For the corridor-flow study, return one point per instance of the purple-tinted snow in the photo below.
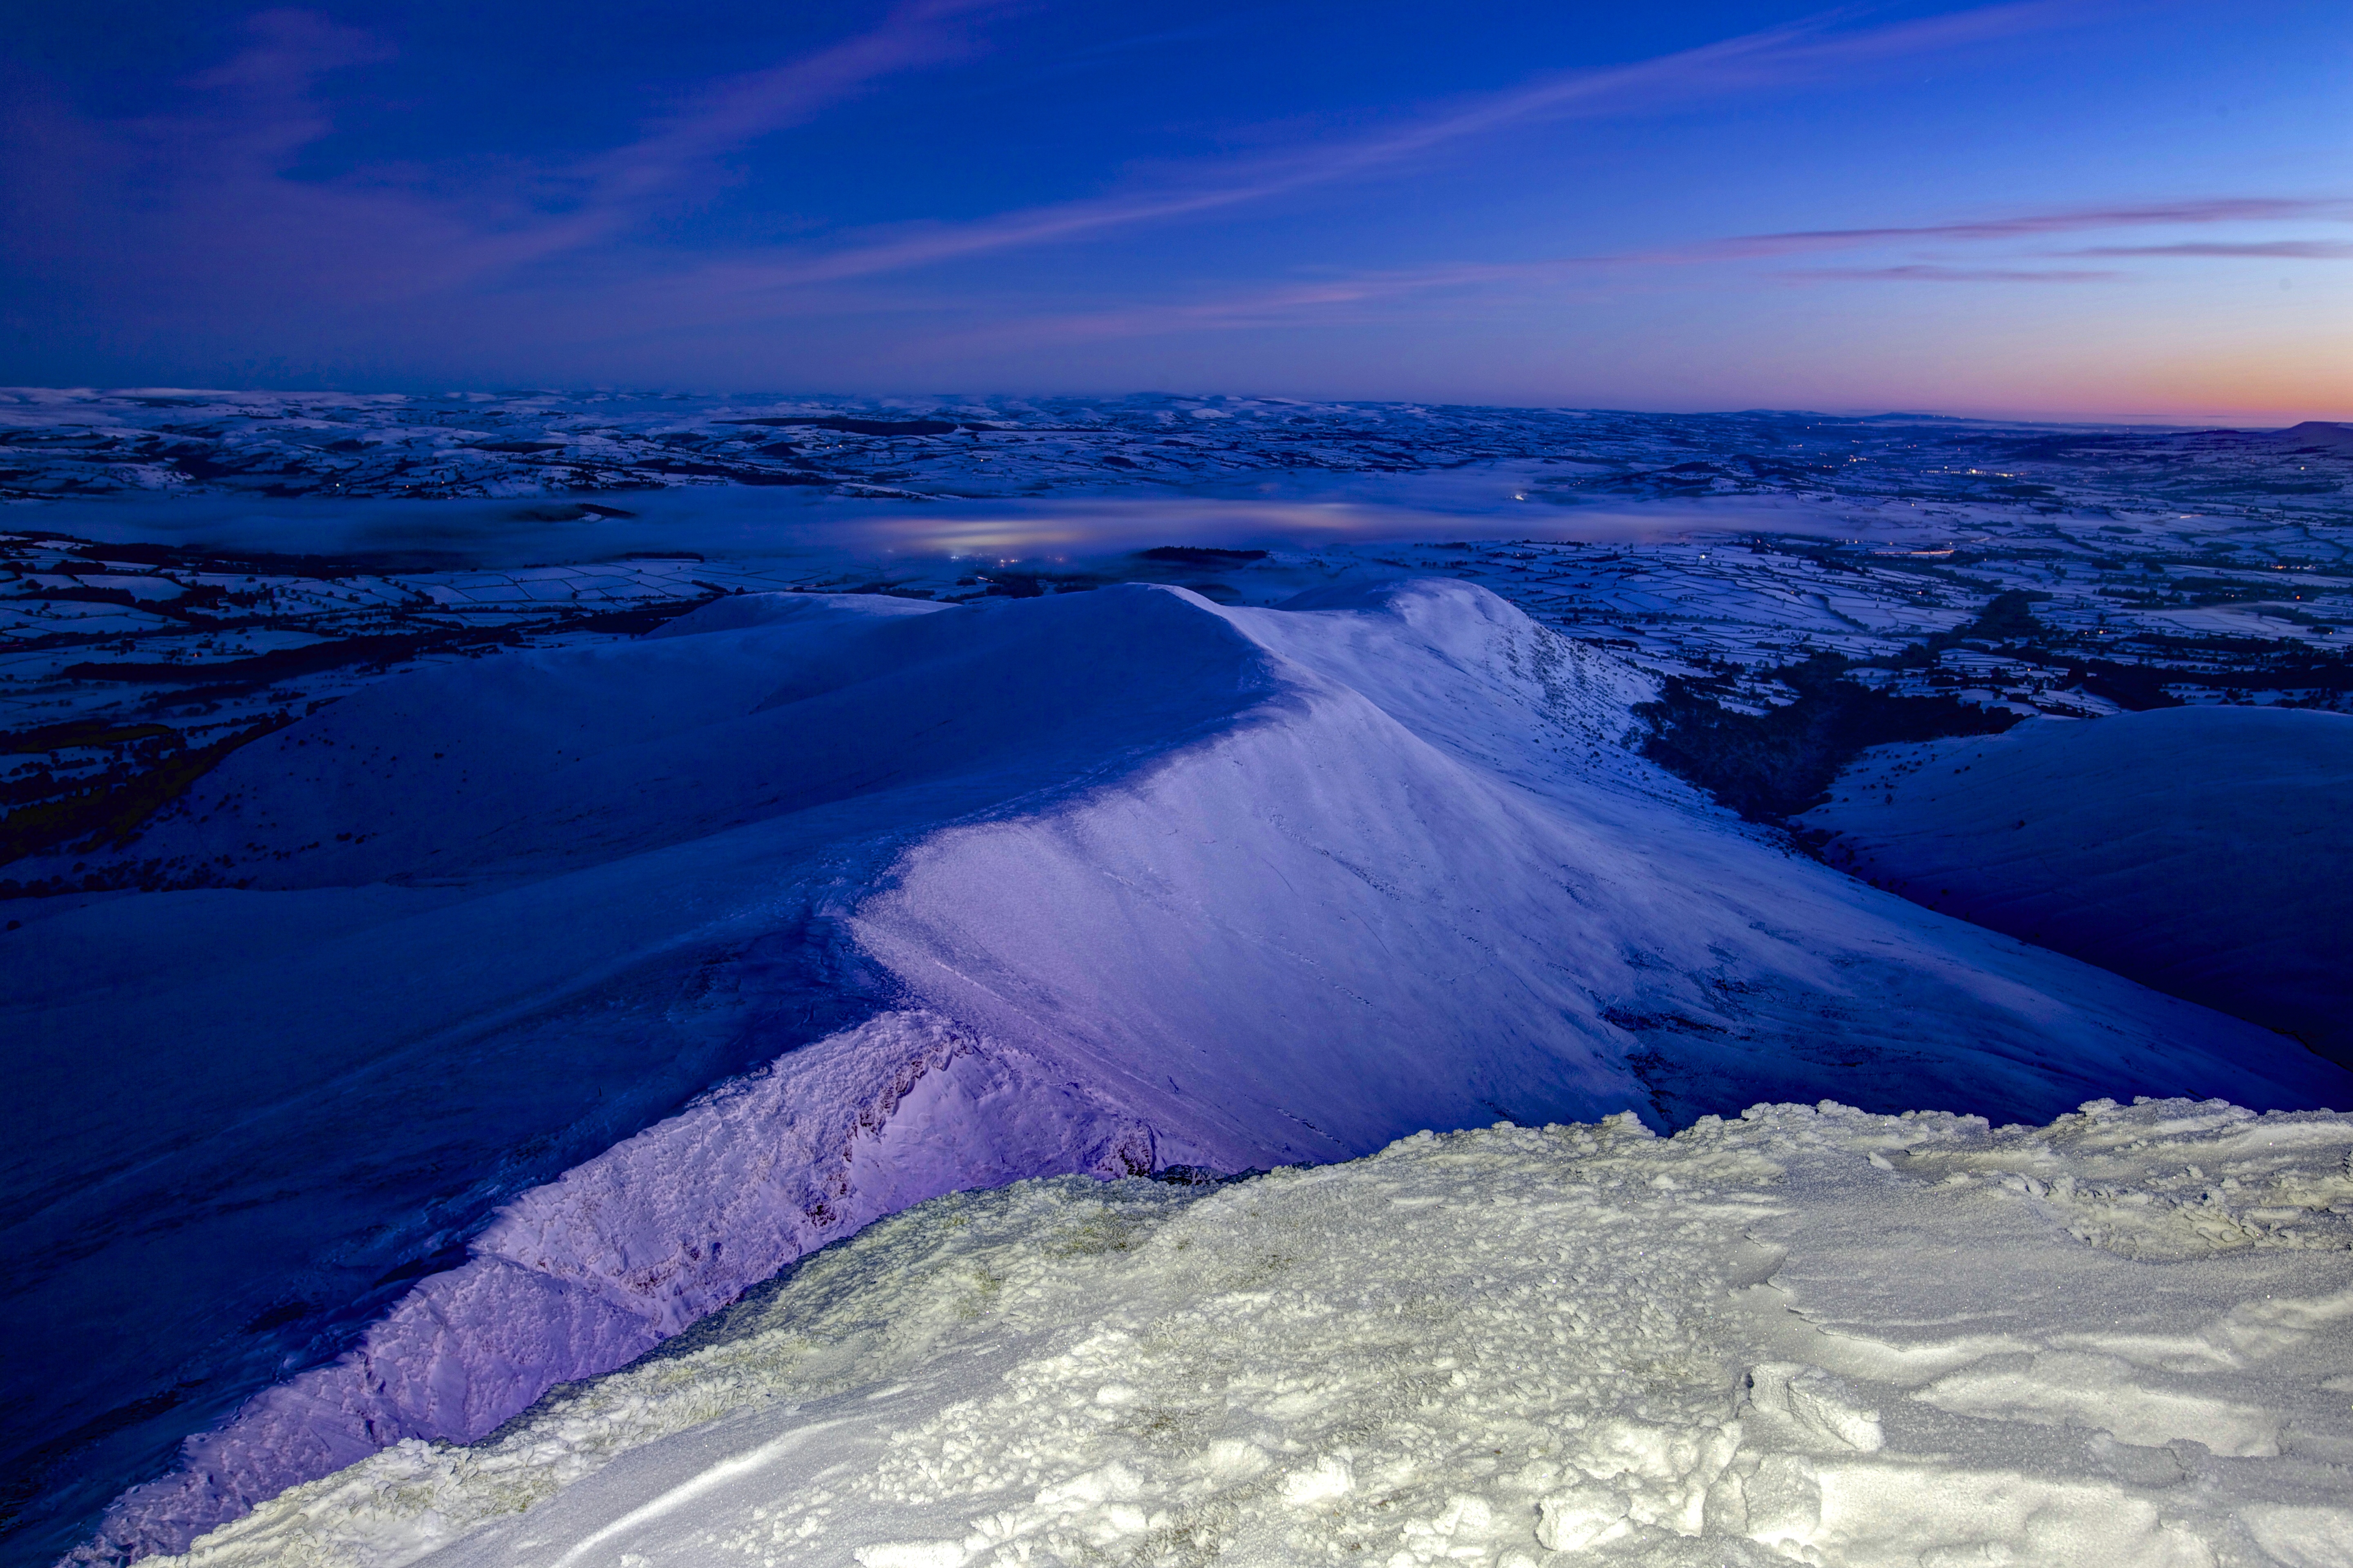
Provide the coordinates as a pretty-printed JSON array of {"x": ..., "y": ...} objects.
[{"x": 1137, "y": 882}]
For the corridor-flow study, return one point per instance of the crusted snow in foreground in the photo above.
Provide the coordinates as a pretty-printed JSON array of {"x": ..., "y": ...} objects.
[{"x": 1846, "y": 1339}]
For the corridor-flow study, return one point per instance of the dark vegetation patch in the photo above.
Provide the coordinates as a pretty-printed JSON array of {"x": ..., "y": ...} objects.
[
  {"x": 182, "y": 608},
  {"x": 568, "y": 511},
  {"x": 1770, "y": 766},
  {"x": 2214, "y": 663},
  {"x": 1199, "y": 555},
  {"x": 638, "y": 621},
  {"x": 82, "y": 732},
  {"x": 780, "y": 476},
  {"x": 148, "y": 771},
  {"x": 272, "y": 564},
  {"x": 279, "y": 664},
  {"x": 851, "y": 426}
]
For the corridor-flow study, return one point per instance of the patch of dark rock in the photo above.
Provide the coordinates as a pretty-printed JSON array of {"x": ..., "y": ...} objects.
[
  {"x": 439, "y": 1261},
  {"x": 279, "y": 1316},
  {"x": 1635, "y": 1023}
]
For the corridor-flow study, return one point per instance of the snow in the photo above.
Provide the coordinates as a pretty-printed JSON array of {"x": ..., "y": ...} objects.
[
  {"x": 1104, "y": 883},
  {"x": 1804, "y": 1334},
  {"x": 2200, "y": 850}
]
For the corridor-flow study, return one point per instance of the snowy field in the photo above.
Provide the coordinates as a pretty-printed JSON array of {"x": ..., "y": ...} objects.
[
  {"x": 2125, "y": 1340},
  {"x": 2200, "y": 850},
  {"x": 492, "y": 881}
]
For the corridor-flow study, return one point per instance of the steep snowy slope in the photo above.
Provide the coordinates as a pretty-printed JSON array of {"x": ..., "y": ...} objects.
[
  {"x": 2205, "y": 851},
  {"x": 1099, "y": 883},
  {"x": 1743, "y": 1346}
]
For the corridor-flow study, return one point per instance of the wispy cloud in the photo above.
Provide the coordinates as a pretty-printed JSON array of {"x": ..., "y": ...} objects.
[
  {"x": 1322, "y": 299},
  {"x": 240, "y": 225},
  {"x": 1772, "y": 59},
  {"x": 2015, "y": 226},
  {"x": 913, "y": 36},
  {"x": 2275, "y": 249},
  {"x": 217, "y": 190},
  {"x": 1929, "y": 272},
  {"x": 1330, "y": 299}
]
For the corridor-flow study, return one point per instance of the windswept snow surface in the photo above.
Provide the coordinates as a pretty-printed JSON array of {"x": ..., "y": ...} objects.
[
  {"x": 1096, "y": 883},
  {"x": 2204, "y": 851},
  {"x": 2121, "y": 1341}
]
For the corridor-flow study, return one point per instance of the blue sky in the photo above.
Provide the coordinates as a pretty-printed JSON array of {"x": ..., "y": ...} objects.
[{"x": 2050, "y": 207}]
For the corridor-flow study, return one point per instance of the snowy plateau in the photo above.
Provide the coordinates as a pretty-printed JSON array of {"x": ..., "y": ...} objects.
[{"x": 608, "y": 981}]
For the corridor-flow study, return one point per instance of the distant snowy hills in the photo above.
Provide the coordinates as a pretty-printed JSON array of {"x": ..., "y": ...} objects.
[
  {"x": 77, "y": 443},
  {"x": 937, "y": 898},
  {"x": 2200, "y": 850}
]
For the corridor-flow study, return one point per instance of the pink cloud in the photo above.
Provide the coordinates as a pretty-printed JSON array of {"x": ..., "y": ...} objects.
[
  {"x": 2019, "y": 226},
  {"x": 1925, "y": 272},
  {"x": 2277, "y": 249}
]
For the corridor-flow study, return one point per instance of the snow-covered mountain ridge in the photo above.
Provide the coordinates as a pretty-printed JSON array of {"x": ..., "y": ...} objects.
[{"x": 1106, "y": 882}]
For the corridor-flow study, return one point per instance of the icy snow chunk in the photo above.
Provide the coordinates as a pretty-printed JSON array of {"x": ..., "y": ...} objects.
[
  {"x": 2101, "y": 1392},
  {"x": 910, "y": 1555},
  {"x": 1580, "y": 1518},
  {"x": 1815, "y": 1405},
  {"x": 2302, "y": 1537},
  {"x": 1331, "y": 1477},
  {"x": 1861, "y": 1514}
]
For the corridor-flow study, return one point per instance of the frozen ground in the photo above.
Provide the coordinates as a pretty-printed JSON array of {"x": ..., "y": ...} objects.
[
  {"x": 1100, "y": 882},
  {"x": 382, "y": 1043},
  {"x": 2200, "y": 850},
  {"x": 2121, "y": 1340}
]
